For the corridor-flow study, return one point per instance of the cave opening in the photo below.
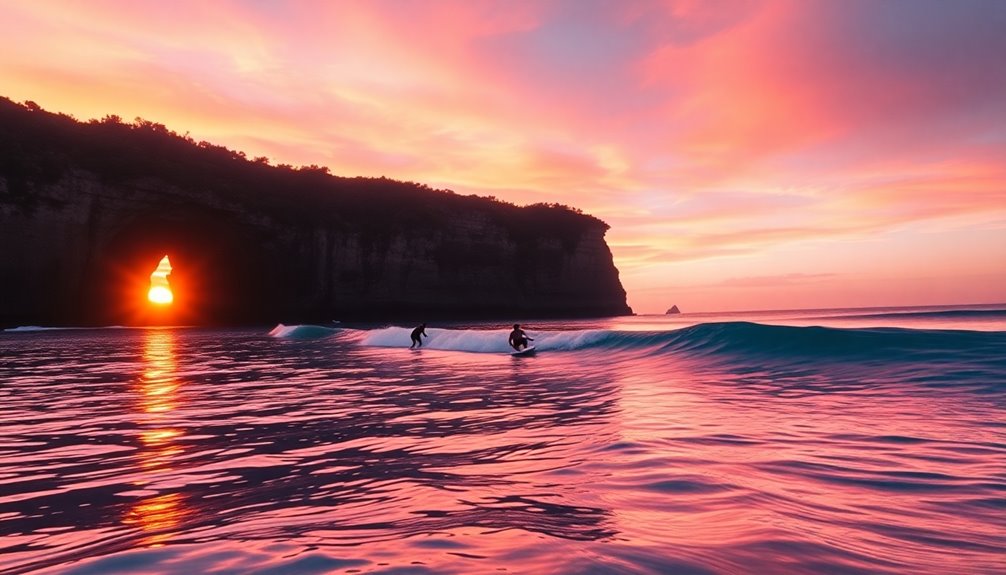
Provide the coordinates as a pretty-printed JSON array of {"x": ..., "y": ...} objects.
[
  {"x": 178, "y": 271},
  {"x": 160, "y": 292}
]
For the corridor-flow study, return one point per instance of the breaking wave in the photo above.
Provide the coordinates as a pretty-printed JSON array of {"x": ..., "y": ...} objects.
[{"x": 738, "y": 339}]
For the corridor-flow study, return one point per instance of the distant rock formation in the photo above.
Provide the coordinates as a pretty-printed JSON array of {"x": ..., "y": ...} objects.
[
  {"x": 674, "y": 309},
  {"x": 88, "y": 209}
]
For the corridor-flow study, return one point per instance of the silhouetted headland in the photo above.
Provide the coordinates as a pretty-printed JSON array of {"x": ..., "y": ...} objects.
[{"x": 87, "y": 209}]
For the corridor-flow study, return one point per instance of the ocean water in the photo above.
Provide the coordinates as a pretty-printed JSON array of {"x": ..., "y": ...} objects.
[{"x": 824, "y": 441}]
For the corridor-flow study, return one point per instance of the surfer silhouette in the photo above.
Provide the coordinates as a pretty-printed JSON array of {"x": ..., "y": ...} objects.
[
  {"x": 518, "y": 338},
  {"x": 416, "y": 333}
]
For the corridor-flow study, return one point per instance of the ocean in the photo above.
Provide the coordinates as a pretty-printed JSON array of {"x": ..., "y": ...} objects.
[{"x": 805, "y": 442}]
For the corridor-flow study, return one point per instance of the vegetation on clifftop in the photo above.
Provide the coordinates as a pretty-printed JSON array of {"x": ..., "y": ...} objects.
[{"x": 39, "y": 148}]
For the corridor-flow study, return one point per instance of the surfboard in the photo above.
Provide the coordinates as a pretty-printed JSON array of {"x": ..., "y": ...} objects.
[{"x": 524, "y": 352}]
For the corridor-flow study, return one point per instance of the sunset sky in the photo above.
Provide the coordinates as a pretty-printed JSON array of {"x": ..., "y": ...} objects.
[{"x": 747, "y": 154}]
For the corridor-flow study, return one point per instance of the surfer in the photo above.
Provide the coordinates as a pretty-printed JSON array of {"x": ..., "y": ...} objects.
[
  {"x": 416, "y": 340},
  {"x": 518, "y": 338}
]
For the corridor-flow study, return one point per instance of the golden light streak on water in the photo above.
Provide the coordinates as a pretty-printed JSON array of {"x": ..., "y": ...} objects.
[{"x": 157, "y": 515}]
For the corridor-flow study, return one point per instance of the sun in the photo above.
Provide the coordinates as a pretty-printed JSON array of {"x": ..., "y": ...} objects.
[
  {"x": 160, "y": 291},
  {"x": 160, "y": 295}
]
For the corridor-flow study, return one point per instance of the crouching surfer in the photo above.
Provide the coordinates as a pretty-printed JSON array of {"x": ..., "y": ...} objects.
[
  {"x": 416, "y": 339},
  {"x": 519, "y": 339}
]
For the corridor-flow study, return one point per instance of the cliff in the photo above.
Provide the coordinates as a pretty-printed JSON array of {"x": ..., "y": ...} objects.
[{"x": 88, "y": 209}]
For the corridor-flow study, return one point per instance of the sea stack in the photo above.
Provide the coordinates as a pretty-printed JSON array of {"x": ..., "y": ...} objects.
[{"x": 674, "y": 309}]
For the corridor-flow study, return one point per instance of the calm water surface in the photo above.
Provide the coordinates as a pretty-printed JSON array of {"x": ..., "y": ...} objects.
[{"x": 691, "y": 444}]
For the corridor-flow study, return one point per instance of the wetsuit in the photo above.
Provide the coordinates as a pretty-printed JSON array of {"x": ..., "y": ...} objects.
[
  {"x": 421, "y": 330},
  {"x": 517, "y": 339}
]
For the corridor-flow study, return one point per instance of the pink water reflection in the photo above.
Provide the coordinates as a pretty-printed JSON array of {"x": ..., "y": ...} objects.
[{"x": 232, "y": 451}]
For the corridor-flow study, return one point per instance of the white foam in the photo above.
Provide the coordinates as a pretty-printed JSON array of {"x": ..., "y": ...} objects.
[
  {"x": 480, "y": 341},
  {"x": 33, "y": 328},
  {"x": 569, "y": 340}
]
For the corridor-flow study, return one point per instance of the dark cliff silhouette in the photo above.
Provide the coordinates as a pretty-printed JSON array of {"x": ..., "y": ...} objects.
[{"x": 87, "y": 209}]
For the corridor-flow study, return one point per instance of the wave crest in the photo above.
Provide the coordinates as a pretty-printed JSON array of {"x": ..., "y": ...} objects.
[
  {"x": 728, "y": 338},
  {"x": 302, "y": 331}
]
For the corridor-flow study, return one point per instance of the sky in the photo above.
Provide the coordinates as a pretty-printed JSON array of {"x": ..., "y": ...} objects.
[{"x": 747, "y": 154}]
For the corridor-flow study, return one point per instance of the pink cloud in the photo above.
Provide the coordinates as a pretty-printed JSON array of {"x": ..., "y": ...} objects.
[{"x": 703, "y": 132}]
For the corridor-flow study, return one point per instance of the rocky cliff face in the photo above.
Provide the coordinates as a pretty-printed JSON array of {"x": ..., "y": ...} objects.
[
  {"x": 88, "y": 209},
  {"x": 79, "y": 249}
]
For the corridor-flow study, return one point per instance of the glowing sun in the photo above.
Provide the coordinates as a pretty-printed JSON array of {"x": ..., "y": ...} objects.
[
  {"x": 160, "y": 292},
  {"x": 160, "y": 295}
]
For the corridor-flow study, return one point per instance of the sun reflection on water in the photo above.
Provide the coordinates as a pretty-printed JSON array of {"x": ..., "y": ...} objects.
[{"x": 157, "y": 516}]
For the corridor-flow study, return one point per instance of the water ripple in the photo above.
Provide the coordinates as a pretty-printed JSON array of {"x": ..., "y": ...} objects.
[{"x": 179, "y": 451}]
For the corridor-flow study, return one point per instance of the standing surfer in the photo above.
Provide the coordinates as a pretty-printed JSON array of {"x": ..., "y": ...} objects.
[
  {"x": 518, "y": 338},
  {"x": 416, "y": 333}
]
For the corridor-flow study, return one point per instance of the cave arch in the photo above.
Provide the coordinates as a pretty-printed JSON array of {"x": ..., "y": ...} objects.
[{"x": 220, "y": 274}]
